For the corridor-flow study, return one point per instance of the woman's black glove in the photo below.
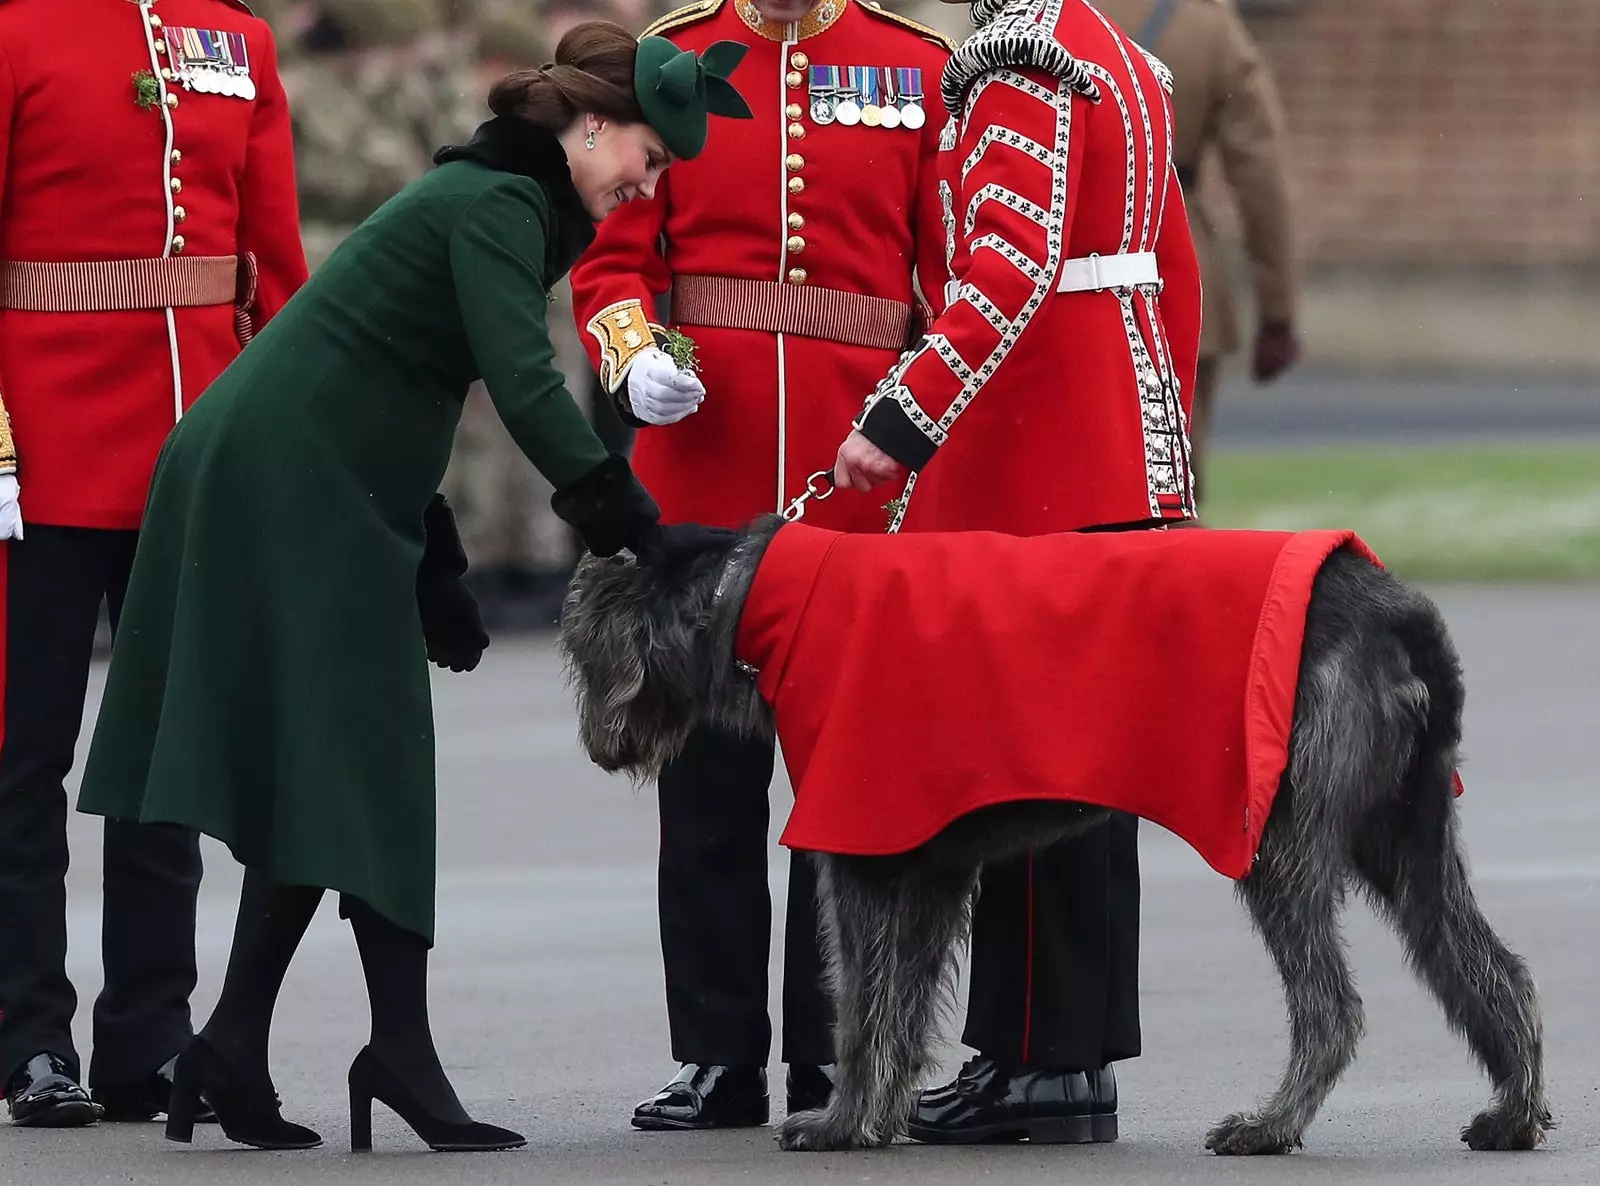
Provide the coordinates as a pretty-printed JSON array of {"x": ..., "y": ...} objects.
[
  {"x": 609, "y": 509},
  {"x": 451, "y": 624}
]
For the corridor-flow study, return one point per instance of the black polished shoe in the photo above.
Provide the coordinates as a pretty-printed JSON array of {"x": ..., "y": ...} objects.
[
  {"x": 371, "y": 1079},
  {"x": 808, "y": 1087},
  {"x": 134, "y": 1102},
  {"x": 44, "y": 1093},
  {"x": 248, "y": 1112},
  {"x": 1046, "y": 1105},
  {"x": 707, "y": 1095}
]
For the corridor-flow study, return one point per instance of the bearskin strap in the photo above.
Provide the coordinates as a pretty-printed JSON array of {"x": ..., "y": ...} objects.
[{"x": 1011, "y": 38}]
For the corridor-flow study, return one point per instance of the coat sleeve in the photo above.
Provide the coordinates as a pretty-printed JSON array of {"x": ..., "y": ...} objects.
[
  {"x": 1180, "y": 300},
  {"x": 8, "y": 97},
  {"x": 269, "y": 210},
  {"x": 1022, "y": 156},
  {"x": 615, "y": 284},
  {"x": 1250, "y": 144},
  {"x": 496, "y": 262}
]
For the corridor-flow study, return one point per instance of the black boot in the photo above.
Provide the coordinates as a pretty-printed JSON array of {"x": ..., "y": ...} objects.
[
  {"x": 991, "y": 1103},
  {"x": 145, "y": 1100},
  {"x": 808, "y": 1087},
  {"x": 705, "y": 1095}
]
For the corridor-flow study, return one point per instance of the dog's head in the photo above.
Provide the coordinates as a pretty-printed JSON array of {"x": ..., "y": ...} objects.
[{"x": 649, "y": 652}]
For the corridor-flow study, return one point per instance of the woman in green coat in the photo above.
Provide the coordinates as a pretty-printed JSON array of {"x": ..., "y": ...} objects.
[{"x": 296, "y": 572}]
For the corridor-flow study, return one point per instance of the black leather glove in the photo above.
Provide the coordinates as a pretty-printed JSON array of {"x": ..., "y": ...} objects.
[
  {"x": 675, "y": 543},
  {"x": 609, "y": 509},
  {"x": 451, "y": 624}
]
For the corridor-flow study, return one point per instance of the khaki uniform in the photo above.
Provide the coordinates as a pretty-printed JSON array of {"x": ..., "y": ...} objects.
[{"x": 1224, "y": 102}]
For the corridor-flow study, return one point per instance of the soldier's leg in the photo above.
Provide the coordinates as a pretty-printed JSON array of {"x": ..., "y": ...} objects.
[
  {"x": 808, "y": 1015},
  {"x": 716, "y": 926},
  {"x": 50, "y": 596},
  {"x": 1053, "y": 998},
  {"x": 147, "y": 936},
  {"x": 1205, "y": 398}
]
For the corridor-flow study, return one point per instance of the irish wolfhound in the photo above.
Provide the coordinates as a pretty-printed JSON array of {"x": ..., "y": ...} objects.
[{"x": 1365, "y": 797}]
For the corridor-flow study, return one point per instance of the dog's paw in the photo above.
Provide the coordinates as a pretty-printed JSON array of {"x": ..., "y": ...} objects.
[
  {"x": 1498, "y": 1132},
  {"x": 1242, "y": 1135},
  {"x": 818, "y": 1131}
]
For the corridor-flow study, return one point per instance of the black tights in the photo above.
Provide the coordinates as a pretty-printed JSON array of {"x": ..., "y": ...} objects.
[{"x": 272, "y": 920}]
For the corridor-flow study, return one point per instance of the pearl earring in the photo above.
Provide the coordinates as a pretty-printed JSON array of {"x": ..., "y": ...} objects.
[{"x": 588, "y": 141}]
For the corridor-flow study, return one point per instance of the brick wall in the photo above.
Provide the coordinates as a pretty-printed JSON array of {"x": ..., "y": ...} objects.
[{"x": 1448, "y": 132}]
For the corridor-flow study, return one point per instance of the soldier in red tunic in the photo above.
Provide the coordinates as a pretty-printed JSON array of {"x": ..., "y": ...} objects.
[
  {"x": 148, "y": 224},
  {"x": 1050, "y": 396},
  {"x": 793, "y": 250}
]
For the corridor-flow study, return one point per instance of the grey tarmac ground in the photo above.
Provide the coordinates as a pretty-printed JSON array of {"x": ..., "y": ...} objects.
[{"x": 548, "y": 998}]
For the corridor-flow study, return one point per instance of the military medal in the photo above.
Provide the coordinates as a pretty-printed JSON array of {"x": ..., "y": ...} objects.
[
  {"x": 825, "y": 90},
  {"x": 908, "y": 85},
  {"x": 848, "y": 110},
  {"x": 867, "y": 86},
  {"x": 211, "y": 61},
  {"x": 891, "y": 112}
]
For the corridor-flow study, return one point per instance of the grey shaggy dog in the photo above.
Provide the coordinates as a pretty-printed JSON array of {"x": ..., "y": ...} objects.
[{"x": 1366, "y": 801}]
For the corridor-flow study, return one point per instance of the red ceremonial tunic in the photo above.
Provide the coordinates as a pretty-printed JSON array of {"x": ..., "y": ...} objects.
[
  {"x": 1029, "y": 409},
  {"x": 919, "y": 677},
  {"x": 91, "y": 176},
  {"x": 815, "y": 208}
]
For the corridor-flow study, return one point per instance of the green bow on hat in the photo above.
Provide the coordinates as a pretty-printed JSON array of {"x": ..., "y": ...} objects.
[{"x": 679, "y": 90}]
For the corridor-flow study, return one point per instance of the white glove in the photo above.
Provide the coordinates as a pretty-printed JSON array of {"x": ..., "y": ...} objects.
[
  {"x": 10, "y": 508},
  {"x": 659, "y": 392}
]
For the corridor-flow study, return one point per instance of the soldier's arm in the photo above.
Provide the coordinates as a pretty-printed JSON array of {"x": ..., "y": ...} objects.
[
  {"x": 8, "y": 96},
  {"x": 1016, "y": 251},
  {"x": 616, "y": 283},
  {"x": 933, "y": 235},
  {"x": 1180, "y": 289},
  {"x": 1251, "y": 145},
  {"x": 269, "y": 211}
]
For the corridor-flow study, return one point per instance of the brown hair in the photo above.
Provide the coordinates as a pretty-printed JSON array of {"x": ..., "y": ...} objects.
[{"x": 593, "y": 72}]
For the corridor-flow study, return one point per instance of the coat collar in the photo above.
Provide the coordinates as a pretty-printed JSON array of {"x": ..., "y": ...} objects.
[{"x": 816, "y": 21}]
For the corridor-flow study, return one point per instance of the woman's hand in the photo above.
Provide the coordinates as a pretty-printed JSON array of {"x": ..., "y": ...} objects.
[{"x": 862, "y": 465}]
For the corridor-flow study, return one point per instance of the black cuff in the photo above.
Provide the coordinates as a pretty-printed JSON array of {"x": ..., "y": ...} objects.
[
  {"x": 608, "y": 508},
  {"x": 888, "y": 427},
  {"x": 443, "y": 555}
]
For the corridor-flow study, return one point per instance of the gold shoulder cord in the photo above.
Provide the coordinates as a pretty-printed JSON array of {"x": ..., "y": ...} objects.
[
  {"x": 917, "y": 27},
  {"x": 679, "y": 17}
]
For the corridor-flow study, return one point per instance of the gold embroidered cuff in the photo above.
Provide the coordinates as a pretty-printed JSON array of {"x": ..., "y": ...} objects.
[
  {"x": 8, "y": 447},
  {"x": 624, "y": 333}
]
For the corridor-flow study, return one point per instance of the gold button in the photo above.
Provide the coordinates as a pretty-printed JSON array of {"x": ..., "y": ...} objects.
[
  {"x": 797, "y": 222},
  {"x": 797, "y": 132},
  {"x": 799, "y": 61},
  {"x": 161, "y": 47},
  {"x": 179, "y": 214},
  {"x": 795, "y": 162},
  {"x": 796, "y": 184},
  {"x": 796, "y": 244},
  {"x": 155, "y": 21},
  {"x": 177, "y": 244},
  {"x": 797, "y": 275},
  {"x": 794, "y": 111},
  {"x": 172, "y": 99},
  {"x": 794, "y": 78},
  {"x": 167, "y": 75},
  {"x": 177, "y": 157},
  {"x": 177, "y": 185}
]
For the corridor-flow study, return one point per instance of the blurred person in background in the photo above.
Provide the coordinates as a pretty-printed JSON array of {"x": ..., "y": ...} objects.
[
  {"x": 1225, "y": 105},
  {"x": 792, "y": 253},
  {"x": 149, "y": 227}
]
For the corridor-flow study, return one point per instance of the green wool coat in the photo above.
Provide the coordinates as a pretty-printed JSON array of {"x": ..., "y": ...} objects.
[{"x": 269, "y": 683}]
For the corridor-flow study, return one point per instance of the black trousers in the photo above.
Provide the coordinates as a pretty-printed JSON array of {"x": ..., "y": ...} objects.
[
  {"x": 716, "y": 913},
  {"x": 52, "y": 584}
]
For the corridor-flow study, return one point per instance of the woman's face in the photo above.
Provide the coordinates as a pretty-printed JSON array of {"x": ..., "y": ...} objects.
[{"x": 625, "y": 163}]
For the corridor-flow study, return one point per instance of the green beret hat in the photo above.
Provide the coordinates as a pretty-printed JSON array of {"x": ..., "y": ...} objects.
[{"x": 678, "y": 90}]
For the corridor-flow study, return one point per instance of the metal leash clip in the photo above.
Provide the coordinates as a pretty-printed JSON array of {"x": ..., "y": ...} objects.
[{"x": 818, "y": 486}]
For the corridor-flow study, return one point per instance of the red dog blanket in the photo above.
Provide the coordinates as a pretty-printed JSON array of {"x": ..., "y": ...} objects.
[{"x": 919, "y": 677}]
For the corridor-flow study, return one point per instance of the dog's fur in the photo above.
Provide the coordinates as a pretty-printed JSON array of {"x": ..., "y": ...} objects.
[{"x": 1367, "y": 800}]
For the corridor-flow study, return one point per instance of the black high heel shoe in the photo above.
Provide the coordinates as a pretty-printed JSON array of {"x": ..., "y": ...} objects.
[
  {"x": 371, "y": 1080},
  {"x": 247, "y": 1113}
]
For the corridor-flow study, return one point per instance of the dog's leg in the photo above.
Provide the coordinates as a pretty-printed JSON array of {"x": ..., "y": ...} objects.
[
  {"x": 1410, "y": 856},
  {"x": 1294, "y": 894},
  {"x": 889, "y": 936}
]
